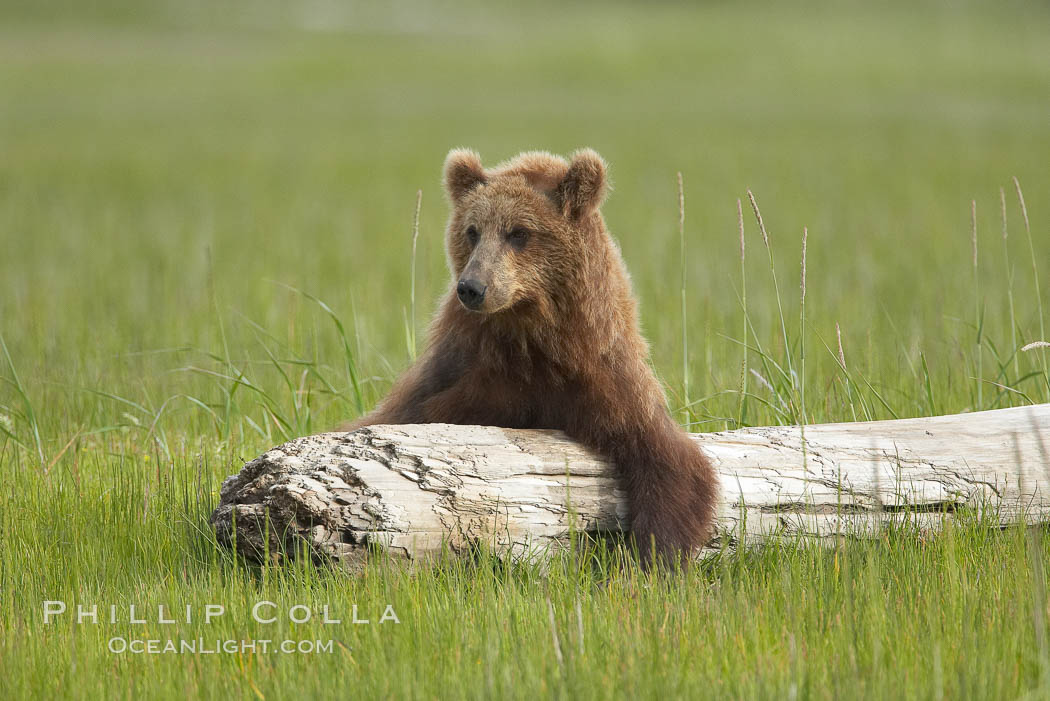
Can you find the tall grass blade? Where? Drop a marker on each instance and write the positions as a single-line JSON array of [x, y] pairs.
[[1035, 280], [27, 405]]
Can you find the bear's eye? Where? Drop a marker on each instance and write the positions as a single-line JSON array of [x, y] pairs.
[[518, 238], [473, 235]]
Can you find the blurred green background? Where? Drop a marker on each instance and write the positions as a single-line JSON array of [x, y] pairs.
[[166, 165]]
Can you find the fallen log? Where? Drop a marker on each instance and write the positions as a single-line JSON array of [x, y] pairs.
[[416, 489]]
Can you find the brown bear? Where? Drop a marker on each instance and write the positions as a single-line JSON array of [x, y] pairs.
[[540, 330]]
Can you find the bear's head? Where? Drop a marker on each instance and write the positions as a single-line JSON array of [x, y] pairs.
[[520, 233]]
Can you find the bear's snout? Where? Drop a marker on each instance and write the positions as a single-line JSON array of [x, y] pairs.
[[471, 293]]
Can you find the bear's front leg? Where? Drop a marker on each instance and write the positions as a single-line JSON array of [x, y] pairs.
[[442, 387], [672, 491], [671, 487], [416, 392]]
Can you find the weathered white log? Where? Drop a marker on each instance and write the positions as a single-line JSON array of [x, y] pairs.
[[416, 489]]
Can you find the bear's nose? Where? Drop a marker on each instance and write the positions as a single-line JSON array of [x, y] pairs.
[[471, 293]]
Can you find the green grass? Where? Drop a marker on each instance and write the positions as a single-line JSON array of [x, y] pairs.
[[207, 217]]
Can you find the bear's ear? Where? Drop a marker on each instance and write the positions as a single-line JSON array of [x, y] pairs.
[[463, 172], [584, 186]]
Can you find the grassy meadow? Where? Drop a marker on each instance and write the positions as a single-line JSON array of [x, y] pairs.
[[206, 248]]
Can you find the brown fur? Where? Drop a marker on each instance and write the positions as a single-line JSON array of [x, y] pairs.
[[556, 343]]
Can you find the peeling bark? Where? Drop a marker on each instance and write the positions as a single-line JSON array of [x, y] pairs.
[[413, 490]]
